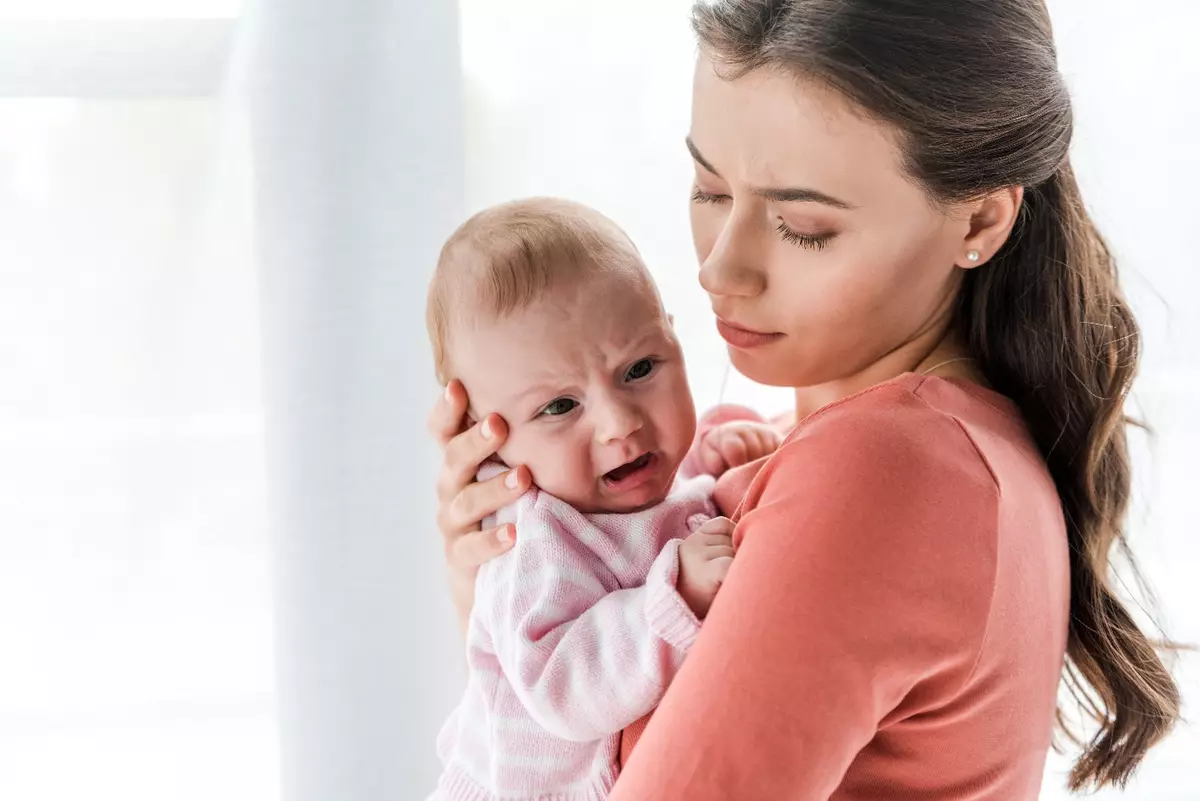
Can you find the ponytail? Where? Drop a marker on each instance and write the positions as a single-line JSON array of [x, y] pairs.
[[1048, 325]]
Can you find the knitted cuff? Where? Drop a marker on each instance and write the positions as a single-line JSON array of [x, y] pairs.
[[669, 616]]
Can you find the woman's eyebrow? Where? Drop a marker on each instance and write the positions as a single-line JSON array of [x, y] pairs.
[[790, 195], [703, 162], [802, 195]]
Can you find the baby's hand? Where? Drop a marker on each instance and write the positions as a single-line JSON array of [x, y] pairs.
[[704, 559], [729, 445]]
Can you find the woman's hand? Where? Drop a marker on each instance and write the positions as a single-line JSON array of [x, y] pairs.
[[462, 502]]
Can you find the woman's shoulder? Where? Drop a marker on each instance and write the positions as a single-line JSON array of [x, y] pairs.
[[892, 441], [894, 424], [888, 476]]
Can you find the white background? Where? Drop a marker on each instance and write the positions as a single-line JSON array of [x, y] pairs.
[[137, 636]]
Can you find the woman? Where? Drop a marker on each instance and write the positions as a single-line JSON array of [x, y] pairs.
[[887, 221]]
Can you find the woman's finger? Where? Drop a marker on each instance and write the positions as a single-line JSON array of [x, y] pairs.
[[474, 549], [464, 453], [448, 417], [479, 500]]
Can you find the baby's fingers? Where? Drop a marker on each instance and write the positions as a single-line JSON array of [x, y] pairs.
[[719, 569], [718, 525], [719, 550], [769, 440], [710, 456], [733, 448]]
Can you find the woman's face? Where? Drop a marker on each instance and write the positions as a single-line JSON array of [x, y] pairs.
[[821, 256]]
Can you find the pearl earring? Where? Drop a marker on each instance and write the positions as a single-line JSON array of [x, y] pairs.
[[973, 256]]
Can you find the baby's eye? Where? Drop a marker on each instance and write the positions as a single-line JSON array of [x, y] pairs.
[[559, 407], [639, 370]]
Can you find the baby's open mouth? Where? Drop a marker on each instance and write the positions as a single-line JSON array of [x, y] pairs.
[[629, 469]]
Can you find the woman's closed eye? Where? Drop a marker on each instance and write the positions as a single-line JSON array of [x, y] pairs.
[[810, 241], [700, 196]]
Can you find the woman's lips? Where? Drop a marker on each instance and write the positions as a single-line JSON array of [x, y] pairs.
[[744, 338]]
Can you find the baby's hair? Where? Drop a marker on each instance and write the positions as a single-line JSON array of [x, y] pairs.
[[509, 256]]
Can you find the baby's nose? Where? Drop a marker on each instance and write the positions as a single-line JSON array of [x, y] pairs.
[[618, 420]]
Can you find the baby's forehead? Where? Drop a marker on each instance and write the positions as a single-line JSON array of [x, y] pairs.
[[602, 304], [564, 338], [567, 331]]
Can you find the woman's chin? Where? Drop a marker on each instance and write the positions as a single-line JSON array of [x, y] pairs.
[[763, 371]]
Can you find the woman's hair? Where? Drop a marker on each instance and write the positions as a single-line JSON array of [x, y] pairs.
[[974, 89]]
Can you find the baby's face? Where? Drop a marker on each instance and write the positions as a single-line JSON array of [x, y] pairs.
[[592, 385]]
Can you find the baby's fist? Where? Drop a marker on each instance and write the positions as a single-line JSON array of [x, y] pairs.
[[736, 443], [704, 559]]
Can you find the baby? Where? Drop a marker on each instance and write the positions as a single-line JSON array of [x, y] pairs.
[[546, 313]]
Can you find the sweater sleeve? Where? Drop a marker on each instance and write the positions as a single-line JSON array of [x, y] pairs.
[[584, 657], [862, 583]]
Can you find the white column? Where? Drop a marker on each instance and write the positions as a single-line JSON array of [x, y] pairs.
[[357, 138]]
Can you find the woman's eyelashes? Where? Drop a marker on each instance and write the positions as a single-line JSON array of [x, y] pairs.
[[787, 234], [700, 196], [810, 241]]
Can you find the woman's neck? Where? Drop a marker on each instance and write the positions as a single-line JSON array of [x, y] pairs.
[[945, 358]]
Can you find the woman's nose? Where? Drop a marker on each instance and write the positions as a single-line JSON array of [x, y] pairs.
[[731, 267]]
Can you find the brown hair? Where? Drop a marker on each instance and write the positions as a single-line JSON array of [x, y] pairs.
[[974, 89], [508, 256]]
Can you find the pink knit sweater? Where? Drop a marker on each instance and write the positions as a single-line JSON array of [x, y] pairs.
[[575, 634]]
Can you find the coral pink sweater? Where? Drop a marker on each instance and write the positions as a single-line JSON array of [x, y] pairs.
[[894, 622]]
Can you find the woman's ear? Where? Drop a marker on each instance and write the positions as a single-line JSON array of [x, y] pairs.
[[992, 219]]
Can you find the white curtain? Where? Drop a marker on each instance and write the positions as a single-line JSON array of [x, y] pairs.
[[219, 575], [358, 159]]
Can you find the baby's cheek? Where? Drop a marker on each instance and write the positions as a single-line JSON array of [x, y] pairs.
[[559, 463], [678, 426], [528, 448], [514, 451]]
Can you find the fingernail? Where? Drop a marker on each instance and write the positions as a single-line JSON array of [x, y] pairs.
[[486, 430], [505, 534], [447, 392], [512, 479]]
